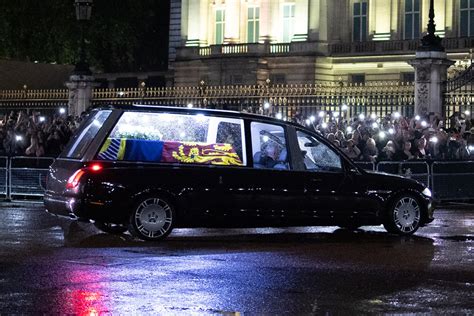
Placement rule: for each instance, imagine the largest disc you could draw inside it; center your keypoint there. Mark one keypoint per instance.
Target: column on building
(197, 22)
(395, 21)
(301, 20)
(380, 20)
(232, 21)
(314, 20)
(335, 21)
(265, 21)
(441, 19)
(449, 18)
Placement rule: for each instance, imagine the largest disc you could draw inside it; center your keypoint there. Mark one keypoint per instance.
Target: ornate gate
(459, 97)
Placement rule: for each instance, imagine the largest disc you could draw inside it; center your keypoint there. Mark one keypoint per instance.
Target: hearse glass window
(269, 146)
(176, 138)
(317, 156)
(89, 130)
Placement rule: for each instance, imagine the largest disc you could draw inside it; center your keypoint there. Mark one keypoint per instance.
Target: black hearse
(149, 169)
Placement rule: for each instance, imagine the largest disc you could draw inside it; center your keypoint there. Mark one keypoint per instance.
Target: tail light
(73, 180)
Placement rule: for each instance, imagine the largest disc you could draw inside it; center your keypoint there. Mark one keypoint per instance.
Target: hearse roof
(234, 114)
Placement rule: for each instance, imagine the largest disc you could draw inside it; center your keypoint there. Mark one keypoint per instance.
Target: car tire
(403, 215)
(152, 218)
(110, 228)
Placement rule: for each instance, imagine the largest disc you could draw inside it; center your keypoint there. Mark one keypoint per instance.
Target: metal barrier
(366, 165)
(417, 170)
(453, 180)
(4, 176)
(27, 176)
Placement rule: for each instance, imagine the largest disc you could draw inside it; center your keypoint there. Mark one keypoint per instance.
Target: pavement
(56, 266)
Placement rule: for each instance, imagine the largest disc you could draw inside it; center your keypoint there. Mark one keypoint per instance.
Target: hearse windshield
(176, 138)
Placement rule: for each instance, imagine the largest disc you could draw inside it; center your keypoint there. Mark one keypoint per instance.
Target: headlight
(426, 192)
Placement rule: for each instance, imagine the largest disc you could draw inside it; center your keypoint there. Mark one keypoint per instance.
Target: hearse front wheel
(152, 218)
(403, 216)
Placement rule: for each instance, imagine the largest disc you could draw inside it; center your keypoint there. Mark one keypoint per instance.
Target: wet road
(54, 266)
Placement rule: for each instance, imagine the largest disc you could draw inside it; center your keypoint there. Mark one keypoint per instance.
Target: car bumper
(430, 207)
(84, 209)
(62, 206)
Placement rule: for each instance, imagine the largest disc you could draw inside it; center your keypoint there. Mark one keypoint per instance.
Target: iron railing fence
(289, 101)
(348, 99)
(459, 94)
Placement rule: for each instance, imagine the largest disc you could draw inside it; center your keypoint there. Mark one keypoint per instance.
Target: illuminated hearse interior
(193, 138)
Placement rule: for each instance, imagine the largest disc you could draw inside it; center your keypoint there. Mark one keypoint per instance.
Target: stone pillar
(80, 93)
(431, 68)
(430, 73)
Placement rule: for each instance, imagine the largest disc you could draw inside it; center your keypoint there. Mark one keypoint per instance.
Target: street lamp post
(83, 14)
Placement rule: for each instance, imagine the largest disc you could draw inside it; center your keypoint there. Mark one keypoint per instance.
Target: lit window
(288, 22)
(467, 18)
(360, 21)
(253, 24)
(220, 26)
(412, 19)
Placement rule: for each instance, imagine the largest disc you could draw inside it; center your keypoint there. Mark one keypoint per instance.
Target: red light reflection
(88, 300)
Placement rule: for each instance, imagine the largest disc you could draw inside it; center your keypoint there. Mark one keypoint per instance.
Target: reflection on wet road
(52, 266)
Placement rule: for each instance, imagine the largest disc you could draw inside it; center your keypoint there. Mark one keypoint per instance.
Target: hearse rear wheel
(152, 218)
(111, 228)
(403, 216)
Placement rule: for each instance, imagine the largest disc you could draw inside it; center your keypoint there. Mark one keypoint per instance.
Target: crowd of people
(35, 135)
(394, 137)
(362, 138)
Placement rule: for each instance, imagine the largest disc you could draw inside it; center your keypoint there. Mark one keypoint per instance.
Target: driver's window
(317, 156)
(269, 146)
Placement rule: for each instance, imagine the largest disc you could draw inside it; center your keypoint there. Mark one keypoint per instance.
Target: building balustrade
(337, 49)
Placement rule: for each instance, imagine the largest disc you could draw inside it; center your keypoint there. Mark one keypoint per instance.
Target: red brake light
(96, 167)
(73, 180)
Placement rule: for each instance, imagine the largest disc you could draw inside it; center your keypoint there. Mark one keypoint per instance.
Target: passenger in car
(271, 156)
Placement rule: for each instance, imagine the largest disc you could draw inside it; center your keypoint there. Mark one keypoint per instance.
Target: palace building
(226, 42)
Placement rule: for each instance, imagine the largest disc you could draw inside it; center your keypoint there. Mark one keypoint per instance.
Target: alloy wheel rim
(406, 214)
(153, 218)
